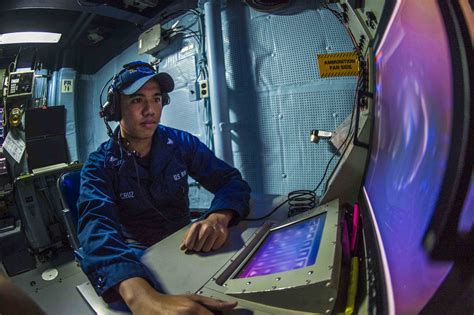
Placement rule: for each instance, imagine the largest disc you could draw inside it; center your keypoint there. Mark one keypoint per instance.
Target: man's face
(141, 111)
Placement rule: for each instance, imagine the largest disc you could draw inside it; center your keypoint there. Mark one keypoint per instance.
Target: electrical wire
(361, 83)
(186, 30)
(299, 197)
(177, 12)
(188, 34)
(302, 200)
(133, 154)
(338, 15)
(203, 74)
(342, 154)
(201, 64)
(340, 18)
(192, 23)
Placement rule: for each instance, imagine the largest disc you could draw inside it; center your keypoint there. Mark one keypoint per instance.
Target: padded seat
(69, 186)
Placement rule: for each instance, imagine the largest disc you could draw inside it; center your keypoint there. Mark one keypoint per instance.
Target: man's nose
(147, 108)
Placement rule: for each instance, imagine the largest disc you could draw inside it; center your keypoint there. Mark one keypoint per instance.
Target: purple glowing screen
(411, 139)
(292, 247)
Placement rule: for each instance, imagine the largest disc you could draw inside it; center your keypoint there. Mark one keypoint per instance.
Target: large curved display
(411, 142)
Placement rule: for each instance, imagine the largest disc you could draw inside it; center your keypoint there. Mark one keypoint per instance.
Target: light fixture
(29, 37)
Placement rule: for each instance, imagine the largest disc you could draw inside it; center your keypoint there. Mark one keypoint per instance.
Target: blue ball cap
(136, 74)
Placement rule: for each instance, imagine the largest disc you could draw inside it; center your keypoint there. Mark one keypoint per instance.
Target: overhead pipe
(104, 10)
(74, 28)
(217, 81)
(52, 88)
(82, 29)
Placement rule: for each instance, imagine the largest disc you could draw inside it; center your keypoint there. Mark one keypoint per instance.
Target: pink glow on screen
(411, 140)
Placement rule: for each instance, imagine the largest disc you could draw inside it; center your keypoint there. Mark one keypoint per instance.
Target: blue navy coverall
(124, 207)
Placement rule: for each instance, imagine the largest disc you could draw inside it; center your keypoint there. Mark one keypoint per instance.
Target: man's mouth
(148, 123)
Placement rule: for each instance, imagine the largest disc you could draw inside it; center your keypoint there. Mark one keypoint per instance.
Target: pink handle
(355, 224)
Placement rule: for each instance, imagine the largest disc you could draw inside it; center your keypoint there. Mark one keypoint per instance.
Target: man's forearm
(134, 288)
(225, 216)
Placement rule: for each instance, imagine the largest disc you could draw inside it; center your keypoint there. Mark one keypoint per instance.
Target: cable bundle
(300, 201)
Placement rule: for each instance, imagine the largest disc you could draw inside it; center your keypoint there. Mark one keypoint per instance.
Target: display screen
(43, 122)
(291, 247)
(410, 145)
(39, 151)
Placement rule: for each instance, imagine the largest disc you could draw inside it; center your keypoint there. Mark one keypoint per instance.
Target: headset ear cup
(111, 109)
(165, 99)
(108, 107)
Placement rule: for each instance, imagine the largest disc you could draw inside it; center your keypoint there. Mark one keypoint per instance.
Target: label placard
(67, 86)
(338, 64)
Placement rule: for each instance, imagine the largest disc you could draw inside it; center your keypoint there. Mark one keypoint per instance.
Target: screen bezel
(442, 240)
(266, 237)
(330, 254)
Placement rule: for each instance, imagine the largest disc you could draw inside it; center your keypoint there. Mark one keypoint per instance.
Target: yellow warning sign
(338, 64)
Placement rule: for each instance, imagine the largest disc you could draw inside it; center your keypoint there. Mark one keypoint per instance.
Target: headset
(110, 110)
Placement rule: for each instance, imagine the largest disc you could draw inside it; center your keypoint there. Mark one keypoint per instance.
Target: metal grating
(275, 93)
(182, 114)
(278, 53)
(271, 149)
(305, 162)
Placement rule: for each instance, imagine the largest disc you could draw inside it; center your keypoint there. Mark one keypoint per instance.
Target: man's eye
(136, 100)
(158, 99)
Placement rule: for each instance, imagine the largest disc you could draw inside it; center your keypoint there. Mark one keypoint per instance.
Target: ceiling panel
(92, 34)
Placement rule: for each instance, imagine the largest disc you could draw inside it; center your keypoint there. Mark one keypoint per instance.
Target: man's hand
(209, 234)
(181, 304)
(141, 298)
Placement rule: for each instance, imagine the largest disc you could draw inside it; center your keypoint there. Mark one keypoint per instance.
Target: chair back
(69, 186)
